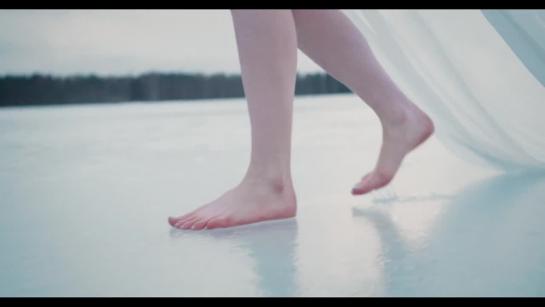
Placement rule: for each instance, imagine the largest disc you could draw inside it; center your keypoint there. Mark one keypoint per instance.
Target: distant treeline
(44, 89)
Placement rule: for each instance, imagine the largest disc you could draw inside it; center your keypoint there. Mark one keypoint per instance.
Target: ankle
(275, 183)
(395, 118)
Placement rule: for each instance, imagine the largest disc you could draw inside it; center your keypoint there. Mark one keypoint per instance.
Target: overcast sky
(120, 42)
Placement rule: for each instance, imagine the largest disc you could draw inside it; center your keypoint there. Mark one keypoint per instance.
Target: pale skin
(267, 42)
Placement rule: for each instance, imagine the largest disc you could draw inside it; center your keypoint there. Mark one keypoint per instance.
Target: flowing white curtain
(478, 73)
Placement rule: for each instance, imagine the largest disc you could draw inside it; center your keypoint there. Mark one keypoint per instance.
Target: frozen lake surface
(85, 192)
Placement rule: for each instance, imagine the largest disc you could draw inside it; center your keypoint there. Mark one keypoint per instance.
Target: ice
(85, 192)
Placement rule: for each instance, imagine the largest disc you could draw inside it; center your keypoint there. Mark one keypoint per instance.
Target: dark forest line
(40, 89)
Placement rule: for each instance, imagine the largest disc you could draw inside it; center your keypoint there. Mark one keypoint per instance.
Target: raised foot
(249, 202)
(398, 140)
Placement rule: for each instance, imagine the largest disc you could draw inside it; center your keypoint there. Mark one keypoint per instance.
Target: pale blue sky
(120, 42)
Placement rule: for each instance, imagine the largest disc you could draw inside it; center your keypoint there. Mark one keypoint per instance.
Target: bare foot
(398, 139)
(250, 202)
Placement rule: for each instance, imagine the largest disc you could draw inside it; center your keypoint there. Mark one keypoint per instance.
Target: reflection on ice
(271, 246)
(486, 242)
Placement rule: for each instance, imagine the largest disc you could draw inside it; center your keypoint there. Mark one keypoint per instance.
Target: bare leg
(267, 47)
(333, 42)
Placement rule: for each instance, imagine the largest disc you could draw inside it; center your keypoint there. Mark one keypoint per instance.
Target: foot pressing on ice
(253, 200)
(399, 138)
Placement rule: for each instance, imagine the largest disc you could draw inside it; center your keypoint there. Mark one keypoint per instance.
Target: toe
(199, 224)
(172, 221)
(212, 223)
(373, 181)
(218, 222)
(361, 190)
(179, 224)
(362, 186)
(210, 219)
(188, 224)
(187, 218)
(202, 224)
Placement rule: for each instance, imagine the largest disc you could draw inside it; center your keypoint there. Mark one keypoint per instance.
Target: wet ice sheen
(86, 191)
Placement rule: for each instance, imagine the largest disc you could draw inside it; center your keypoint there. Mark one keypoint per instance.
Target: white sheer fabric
(473, 79)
